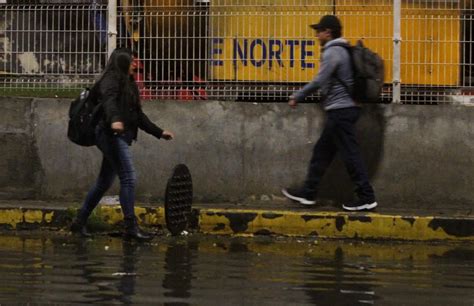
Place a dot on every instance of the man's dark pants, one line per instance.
(339, 135)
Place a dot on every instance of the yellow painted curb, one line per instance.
(13, 217)
(334, 225)
(257, 222)
(145, 215)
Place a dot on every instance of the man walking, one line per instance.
(335, 81)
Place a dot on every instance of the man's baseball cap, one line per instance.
(327, 22)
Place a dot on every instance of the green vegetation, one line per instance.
(95, 223)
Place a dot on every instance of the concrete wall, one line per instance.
(418, 156)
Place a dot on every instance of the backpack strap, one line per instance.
(347, 47)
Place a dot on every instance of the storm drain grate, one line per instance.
(178, 199)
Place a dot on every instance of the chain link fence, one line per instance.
(237, 49)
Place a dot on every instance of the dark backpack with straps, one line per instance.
(84, 115)
(368, 73)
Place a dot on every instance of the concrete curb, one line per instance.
(266, 222)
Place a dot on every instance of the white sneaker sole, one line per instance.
(298, 199)
(362, 207)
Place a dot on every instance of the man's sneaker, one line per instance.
(360, 205)
(299, 196)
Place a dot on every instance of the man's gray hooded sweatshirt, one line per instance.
(335, 68)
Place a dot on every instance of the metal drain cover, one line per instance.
(178, 199)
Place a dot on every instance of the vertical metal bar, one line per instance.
(470, 61)
(55, 40)
(211, 25)
(397, 4)
(64, 37)
(70, 56)
(48, 36)
(111, 26)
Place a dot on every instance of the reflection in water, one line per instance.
(88, 266)
(178, 269)
(204, 270)
(82, 263)
(341, 284)
(126, 285)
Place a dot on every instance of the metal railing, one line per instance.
(51, 46)
(437, 62)
(238, 49)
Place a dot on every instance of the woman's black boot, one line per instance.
(132, 231)
(78, 226)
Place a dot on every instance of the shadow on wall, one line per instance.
(336, 185)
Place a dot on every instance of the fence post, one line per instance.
(397, 41)
(111, 26)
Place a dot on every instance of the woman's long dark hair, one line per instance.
(117, 69)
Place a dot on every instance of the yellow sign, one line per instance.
(272, 42)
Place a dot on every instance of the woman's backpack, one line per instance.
(84, 115)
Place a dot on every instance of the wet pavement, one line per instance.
(44, 267)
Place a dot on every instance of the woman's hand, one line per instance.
(167, 135)
(117, 127)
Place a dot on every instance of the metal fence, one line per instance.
(238, 49)
(437, 62)
(46, 46)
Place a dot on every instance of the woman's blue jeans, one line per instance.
(117, 160)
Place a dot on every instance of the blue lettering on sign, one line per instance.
(275, 53)
(271, 51)
(241, 53)
(305, 53)
(217, 50)
(292, 44)
(253, 45)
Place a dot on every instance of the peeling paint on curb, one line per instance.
(268, 222)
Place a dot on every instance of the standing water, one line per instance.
(208, 270)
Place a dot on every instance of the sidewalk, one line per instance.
(275, 217)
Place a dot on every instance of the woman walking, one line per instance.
(118, 127)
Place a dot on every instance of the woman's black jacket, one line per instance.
(117, 107)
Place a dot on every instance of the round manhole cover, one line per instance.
(178, 199)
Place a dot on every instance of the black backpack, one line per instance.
(84, 115)
(368, 73)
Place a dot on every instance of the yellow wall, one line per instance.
(430, 32)
(250, 22)
(431, 45)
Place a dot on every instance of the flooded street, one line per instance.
(208, 270)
